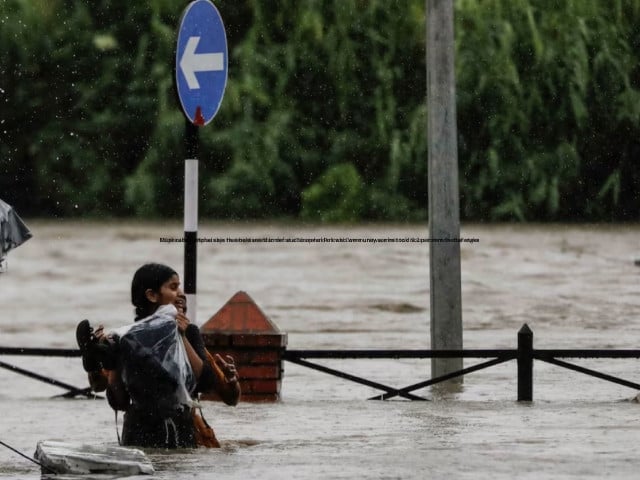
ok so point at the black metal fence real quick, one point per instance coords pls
(72, 391)
(524, 354)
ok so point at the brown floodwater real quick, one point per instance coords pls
(575, 286)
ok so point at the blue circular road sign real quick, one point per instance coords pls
(201, 61)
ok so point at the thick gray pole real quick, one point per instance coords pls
(444, 214)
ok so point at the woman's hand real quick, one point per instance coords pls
(183, 322)
(227, 366)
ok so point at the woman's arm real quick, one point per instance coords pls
(227, 384)
(217, 375)
(194, 360)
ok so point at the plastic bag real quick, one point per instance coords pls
(155, 367)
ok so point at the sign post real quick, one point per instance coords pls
(201, 78)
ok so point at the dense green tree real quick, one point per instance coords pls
(325, 106)
(549, 109)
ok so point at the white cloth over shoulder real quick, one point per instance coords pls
(169, 311)
(155, 366)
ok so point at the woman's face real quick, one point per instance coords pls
(170, 291)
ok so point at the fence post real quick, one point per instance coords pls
(525, 364)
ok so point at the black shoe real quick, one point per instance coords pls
(87, 342)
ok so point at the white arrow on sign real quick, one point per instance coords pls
(192, 62)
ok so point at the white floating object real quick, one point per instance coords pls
(63, 457)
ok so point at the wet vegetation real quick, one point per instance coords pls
(324, 117)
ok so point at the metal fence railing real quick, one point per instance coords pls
(524, 354)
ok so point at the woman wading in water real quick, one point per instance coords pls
(154, 368)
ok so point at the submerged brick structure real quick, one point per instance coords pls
(242, 330)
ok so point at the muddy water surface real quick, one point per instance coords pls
(575, 286)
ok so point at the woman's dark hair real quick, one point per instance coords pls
(149, 276)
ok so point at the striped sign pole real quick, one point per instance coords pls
(191, 220)
(201, 69)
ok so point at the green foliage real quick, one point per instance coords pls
(324, 115)
(337, 196)
(81, 94)
(316, 84)
(547, 108)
